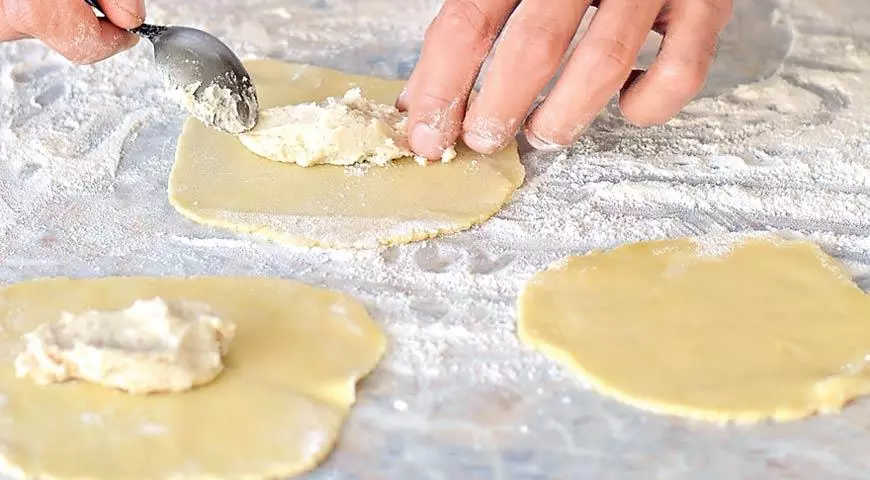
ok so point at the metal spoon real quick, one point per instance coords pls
(202, 74)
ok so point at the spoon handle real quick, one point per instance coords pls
(151, 32)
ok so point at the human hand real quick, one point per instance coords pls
(537, 34)
(71, 28)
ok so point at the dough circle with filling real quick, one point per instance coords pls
(765, 329)
(217, 181)
(275, 411)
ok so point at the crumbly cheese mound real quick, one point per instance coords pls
(152, 346)
(337, 131)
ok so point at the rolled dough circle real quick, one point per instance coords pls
(275, 411)
(217, 181)
(761, 329)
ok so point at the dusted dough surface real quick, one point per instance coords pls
(150, 347)
(217, 181)
(275, 411)
(337, 131)
(770, 329)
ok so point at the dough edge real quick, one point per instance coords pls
(382, 347)
(275, 470)
(396, 234)
(398, 231)
(564, 358)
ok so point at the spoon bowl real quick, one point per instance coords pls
(207, 78)
(203, 75)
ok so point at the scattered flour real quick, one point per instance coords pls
(152, 429)
(91, 418)
(87, 151)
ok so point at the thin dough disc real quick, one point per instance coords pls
(275, 411)
(217, 181)
(764, 329)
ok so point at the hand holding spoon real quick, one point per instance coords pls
(203, 74)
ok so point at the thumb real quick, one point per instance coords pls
(125, 13)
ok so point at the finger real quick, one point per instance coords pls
(633, 78)
(407, 92)
(530, 51)
(455, 46)
(7, 33)
(125, 13)
(70, 28)
(596, 70)
(402, 100)
(680, 70)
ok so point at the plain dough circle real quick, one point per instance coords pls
(217, 181)
(764, 328)
(275, 411)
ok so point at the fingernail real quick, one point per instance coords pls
(540, 144)
(140, 10)
(485, 144)
(401, 102)
(426, 141)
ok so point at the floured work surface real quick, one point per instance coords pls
(758, 329)
(217, 181)
(276, 409)
(88, 150)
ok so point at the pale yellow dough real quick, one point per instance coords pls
(770, 329)
(275, 411)
(217, 181)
